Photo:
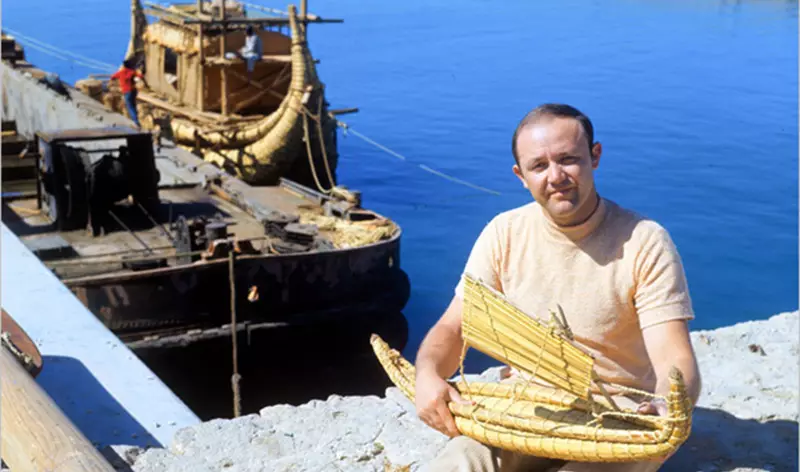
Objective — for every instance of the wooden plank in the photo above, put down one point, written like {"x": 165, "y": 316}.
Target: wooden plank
{"x": 281, "y": 58}
{"x": 169, "y": 17}
{"x": 169, "y": 11}
{"x": 310, "y": 16}
{"x": 223, "y": 41}
{"x": 201, "y": 89}
{"x": 36, "y": 433}
{"x": 342, "y": 111}
{"x": 191, "y": 114}
{"x": 271, "y": 21}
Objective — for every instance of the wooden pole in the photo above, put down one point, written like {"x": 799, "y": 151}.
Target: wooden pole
{"x": 303, "y": 18}
{"x": 200, "y": 6}
{"x": 224, "y": 70}
{"x": 36, "y": 434}
{"x": 201, "y": 66}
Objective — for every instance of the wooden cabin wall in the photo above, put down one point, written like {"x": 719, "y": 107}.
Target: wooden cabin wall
{"x": 189, "y": 73}
{"x": 265, "y": 73}
{"x": 155, "y": 71}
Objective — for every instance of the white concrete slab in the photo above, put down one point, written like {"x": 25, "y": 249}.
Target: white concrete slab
{"x": 110, "y": 395}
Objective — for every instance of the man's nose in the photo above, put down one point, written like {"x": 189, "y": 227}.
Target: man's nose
{"x": 556, "y": 174}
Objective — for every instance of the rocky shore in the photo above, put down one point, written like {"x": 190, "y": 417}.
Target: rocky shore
{"x": 746, "y": 420}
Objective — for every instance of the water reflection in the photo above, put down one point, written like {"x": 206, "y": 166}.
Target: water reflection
{"x": 286, "y": 365}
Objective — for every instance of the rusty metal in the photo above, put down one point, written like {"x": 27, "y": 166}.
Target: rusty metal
{"x": 20, "y": 344}
{"x": 305, "y": 192}
{"x": 193, "y": 335}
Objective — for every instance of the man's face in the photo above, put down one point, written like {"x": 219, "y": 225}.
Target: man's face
{"x": 555, "y": 165}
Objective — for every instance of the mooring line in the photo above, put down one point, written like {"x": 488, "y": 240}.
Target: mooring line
{"x": 58, "y": 52}
{"x": 348, "y": 129}
{"x": 81, "y": 60}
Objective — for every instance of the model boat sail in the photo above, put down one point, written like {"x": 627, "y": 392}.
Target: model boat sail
{"x": 262, "y": 124}
{"x": 561, "y": 421}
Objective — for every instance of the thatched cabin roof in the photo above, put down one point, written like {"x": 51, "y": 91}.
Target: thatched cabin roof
{"x": 180, "y": 40}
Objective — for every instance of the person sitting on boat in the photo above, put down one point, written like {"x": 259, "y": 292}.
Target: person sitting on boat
{"x": 617, "y": 276}
{"x": 252, "y": 50}
{"x": 126, "y": 76}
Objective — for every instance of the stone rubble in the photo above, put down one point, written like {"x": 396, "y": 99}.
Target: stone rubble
{"x": 746, "y": 420}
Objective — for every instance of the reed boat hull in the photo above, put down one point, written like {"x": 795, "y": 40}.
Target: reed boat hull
{"x": 259, "y": 151}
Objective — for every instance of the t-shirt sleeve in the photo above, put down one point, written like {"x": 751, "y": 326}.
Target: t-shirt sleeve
{"x": 662, "y": 293}
{"x": 484, "y": 260}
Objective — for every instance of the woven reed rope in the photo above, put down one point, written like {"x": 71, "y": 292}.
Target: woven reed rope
{"x": 560, "y": 422}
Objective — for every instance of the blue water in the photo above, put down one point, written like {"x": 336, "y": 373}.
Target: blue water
{"x": 695, "y": 103}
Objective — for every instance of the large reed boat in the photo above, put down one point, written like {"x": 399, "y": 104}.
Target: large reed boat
{"x": 258, "y": 125}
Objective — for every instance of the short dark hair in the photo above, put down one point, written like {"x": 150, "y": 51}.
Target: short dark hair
{"x": 129, "y": 63}
{"x": 553, "y": 110}
{"x": 250, "y": 30}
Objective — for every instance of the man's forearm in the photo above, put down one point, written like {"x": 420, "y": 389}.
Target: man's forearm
{"x": 691, "y": 378}
{"x": 440, "y": 351}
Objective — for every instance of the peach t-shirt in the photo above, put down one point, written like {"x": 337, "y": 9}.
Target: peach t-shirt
{"x": 613, "y": 276}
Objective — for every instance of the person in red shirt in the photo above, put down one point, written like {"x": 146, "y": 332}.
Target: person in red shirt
{"x": 126, "y": 75}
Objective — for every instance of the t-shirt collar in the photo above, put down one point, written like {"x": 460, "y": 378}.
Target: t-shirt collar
{"x": 577, "y": 232}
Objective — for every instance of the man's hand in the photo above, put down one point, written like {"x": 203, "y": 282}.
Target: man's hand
{"x": 657, "y": 406}
{"x": 432, "y": 395}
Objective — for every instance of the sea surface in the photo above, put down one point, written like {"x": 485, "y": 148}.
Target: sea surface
{"x": 695, "y": 104}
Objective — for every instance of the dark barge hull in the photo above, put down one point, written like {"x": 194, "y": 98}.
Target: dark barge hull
{"x": 331, "y": 285}
{"x": 291, "y": 288}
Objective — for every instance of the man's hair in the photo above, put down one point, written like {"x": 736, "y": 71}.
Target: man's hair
{"x": 553, "y": 110}
{"x": 249, "y": 31}
{"x": 129, "y": 63}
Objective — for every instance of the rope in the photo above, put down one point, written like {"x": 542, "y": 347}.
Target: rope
{"x": 349, "y": 129}
{"x": 321, "y": 139}
{"x": 237, "y": 398}
{"x": 91, "y": 63}
{"x": 59, "y": 56}
{"x": 307, "y": 139}
{"x": 58, "y": 52}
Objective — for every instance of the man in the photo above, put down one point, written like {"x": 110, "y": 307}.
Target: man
{"x": 616, "y": 275}
{"x": 252, "y": 50}
{"x": 126, "y": 75}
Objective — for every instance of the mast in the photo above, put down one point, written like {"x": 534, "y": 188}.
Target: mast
{"x": 201, "y": 59}
{"x": 138, "y": 24}
{"x": 223, "y": 42}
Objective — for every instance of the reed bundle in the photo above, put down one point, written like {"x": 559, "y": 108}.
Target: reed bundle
{"x": 560, "y": 420}
{"x": 348, "y": 234}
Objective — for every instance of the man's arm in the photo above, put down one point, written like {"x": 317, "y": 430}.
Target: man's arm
{"x": 440, "y": 351}
{"x": 668, "y": 344}
{"x": 437, "y": 359}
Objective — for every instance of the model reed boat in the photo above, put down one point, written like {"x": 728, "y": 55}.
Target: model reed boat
{"x": 563, "y": 420}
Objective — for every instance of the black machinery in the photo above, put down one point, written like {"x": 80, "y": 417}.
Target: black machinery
{"x": 83, "y": 173}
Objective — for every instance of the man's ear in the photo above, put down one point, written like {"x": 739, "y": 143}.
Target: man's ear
{"x": 518, "y": 173}
{"x": 597, "y": 151}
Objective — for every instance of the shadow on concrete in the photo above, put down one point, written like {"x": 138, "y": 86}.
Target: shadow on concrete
{"x": 281, "y": 366}
{"x": 89, "y": 405}
{"x": 722, "y": 442}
